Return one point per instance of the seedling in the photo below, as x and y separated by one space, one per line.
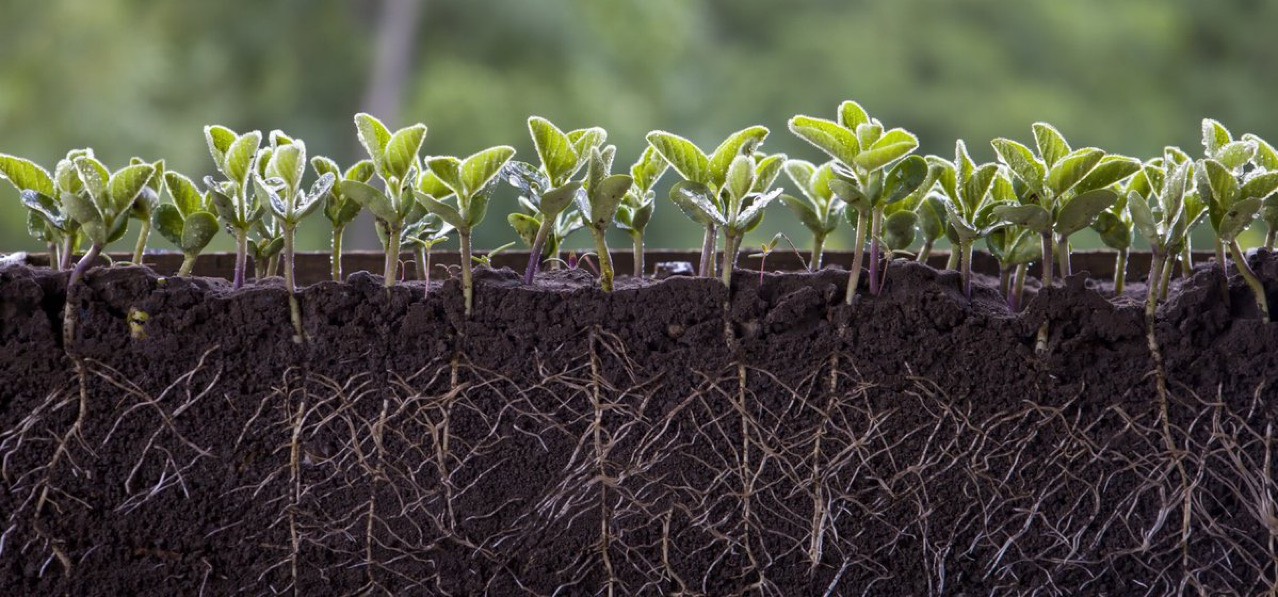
47 220
548 190
281 186
338 208
238 209
969 204
637 206
527 222
1266 159
145 205
103 206
871 172
1114 225
819 209
395 160
1232 204
188 221
422 236
468 181
487 260
767 248
1060 191
598 201
701 193
1163 210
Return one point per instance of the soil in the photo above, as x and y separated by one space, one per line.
673 436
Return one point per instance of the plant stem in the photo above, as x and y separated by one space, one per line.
427 269
140 249
876 231
706 269
818 251
1018 287
730 246
1269 239
952 262
1169 266
965 267
1120 272
419 258
241 256
52 249
294 309
392 256
858 248
1257 287
1187 259
638 238
273 265
1047 259
1062 255
1155 274
1224 275
71 315
605 260
468 290
188 263
925 252
539 244
68 251
1004 279
335 260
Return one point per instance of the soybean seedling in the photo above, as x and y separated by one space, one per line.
338 208
235 156
145 206
548 190
468 181
188 221
598 200
1266 158
871 170
965 192
818 208
1060 191
395 160
638 204
41 195
487 260
1114 225
422 236
1233 202
700 195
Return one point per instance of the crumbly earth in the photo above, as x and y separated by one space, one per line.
671 437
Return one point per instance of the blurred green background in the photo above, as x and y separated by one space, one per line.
135 77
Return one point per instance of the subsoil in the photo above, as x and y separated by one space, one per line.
674 436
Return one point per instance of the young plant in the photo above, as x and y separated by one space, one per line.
1060 191
338 208
395 160
548 189
145 205
47 220
598 201
701 193
103 206
871 172
969 205
468 181
281 186
748 191
235 156
1162 211
1233 202
933 223
638 204
188 221
819 209
422 236
1266 159
1115 226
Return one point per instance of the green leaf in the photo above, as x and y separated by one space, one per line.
892 146
402 149
369 198
932 217
1115 233
1235 155
1221 184
1021 161
374 136
605 198
1079 213
868 133
686 158
94 176
1143 217
239 157
695 199
288 162
168 221
479 169
362 171
742 142
1266 156
1029 216
476 210
449 171
525 226
558 156
739 177
752 211
1111 169
804 211
585 140
1069 170
1238 218
1259 185
559 198
1215 136
445 211
219 139
898 230
850 194
127 182
904 179
836 141
81 209
1051 143
648 170
25 175
852 115
270 189
975 190
198 232
186 197
766 171
800 172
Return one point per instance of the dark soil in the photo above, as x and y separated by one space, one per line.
670 437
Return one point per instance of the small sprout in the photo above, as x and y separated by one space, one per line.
145 205
422 236
969 204
819 209
1114 226
1015 248
395 161
546 191
766 249
700 194
338 208
137 323
188 221
1163 210
598 201
235 156
872 171
747 192
637 206
487 260
1266 159
468 181
46 220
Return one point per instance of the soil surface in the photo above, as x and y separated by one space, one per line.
675 436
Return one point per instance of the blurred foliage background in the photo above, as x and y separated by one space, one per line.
141 77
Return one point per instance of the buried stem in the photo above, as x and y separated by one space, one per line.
1257 287
71 315
468 288
858 254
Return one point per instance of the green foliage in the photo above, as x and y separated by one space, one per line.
817 208
188 221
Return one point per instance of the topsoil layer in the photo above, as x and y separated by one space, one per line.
673 436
